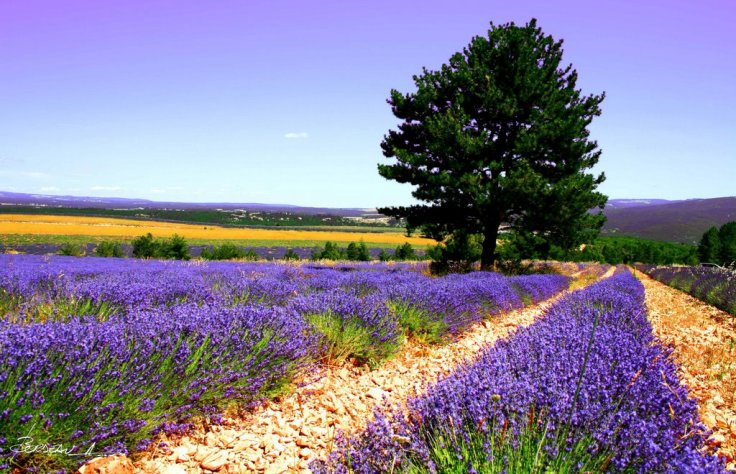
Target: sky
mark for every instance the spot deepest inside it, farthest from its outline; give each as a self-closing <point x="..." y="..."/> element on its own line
<point x="285" y="101"/>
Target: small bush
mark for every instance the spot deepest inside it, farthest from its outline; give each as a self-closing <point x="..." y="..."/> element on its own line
<point x="418" y="324"/>
<point x="176" y="247"/>
<point x="109" y="249"/>
<point x="358" y="252"/>
<point x="330" y="252"/>
<point x="71" y="250"/>
<point x="457" y="255"/>
<point x="228" y="251"/>
<point x="405" y="252"/>
<point x="145" y="247"/>
<point x="351" y="326"/>
<point x="291" y="255"/>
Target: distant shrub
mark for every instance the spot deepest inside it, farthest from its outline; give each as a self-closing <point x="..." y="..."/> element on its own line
<point x="228" y="251"/>
<point x="176" y="247"/>
<point x="358" y="252"/>
<point x="291" y="255"/>
<point x="145" y="247"/>
<point x="384" y="256"/>
<point x="109" y="249"/>
<point x="71" y="250"/>
<point x="456" y="255"/>
<point x="405" y="252"/>
<point x="330" y="252"/>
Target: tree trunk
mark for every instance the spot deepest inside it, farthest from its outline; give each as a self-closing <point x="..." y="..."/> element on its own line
<point x="488" y="257"/>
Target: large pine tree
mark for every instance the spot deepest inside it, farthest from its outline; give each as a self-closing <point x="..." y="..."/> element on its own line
<point x="498" y="135"/>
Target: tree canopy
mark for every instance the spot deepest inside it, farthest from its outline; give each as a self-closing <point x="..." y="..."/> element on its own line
<point x="719" y="245"/>
<point x="498" y="135"/>
<point x="709" y="249"/>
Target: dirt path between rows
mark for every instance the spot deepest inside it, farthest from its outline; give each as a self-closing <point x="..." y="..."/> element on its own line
<point x="704" y="341"/>
<point x="284" y="435"/>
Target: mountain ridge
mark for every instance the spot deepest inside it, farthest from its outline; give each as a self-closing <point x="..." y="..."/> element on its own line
<point x="682" y="221"/>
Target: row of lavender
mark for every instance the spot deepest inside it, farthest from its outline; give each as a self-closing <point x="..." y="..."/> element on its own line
<point x="586" y="389"/>
<point x="264" y="253"/>
<point x="715" y="286"/>
<point x="101" y="355"/>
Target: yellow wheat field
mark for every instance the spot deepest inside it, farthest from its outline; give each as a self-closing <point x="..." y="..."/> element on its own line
<point x="113" y="227"/>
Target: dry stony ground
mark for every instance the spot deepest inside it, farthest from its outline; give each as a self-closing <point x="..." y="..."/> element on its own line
<point x="704" y="342"/>
<point x="284" y="435"/>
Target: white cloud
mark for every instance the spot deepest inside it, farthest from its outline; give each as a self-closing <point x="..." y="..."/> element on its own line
<point x="296" y="135"/>
<point x="106" y="188"/>
<point x="158" y="190"/>
<point x="48" y="189"/>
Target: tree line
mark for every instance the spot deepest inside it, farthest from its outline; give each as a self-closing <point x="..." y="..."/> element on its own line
<point x="718" y="245"/>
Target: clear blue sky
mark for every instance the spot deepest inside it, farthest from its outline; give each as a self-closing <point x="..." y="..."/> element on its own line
<point x="284" y="101"/>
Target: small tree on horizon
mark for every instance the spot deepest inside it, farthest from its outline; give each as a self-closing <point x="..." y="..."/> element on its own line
<point x="709" y="249"/>
<point x="404" y="252"/>
<point x="727" y="236"/>
<point x="498" y="135"/>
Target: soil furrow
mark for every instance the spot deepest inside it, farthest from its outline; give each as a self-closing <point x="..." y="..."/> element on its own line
<point x="704" y="342"/>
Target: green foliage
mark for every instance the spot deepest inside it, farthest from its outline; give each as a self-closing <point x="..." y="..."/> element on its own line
<point x="109" y="249"/>
<point x="291" y="255"/>
<point x="497" y="449"/>
<point x="709" y="248"/>
<point x="145" y="247"/>
<point x="384" y="256"/>
<point x="727" y="236"/>
<point x="457" y="254"/>
<point x="405" y="252"/>
<point x="719" y="245"/>
<point x="228" y="251"/>
<point x="355" y="251"/>
<point x="612" y="250"/>
<point x="358" y="252"/>
<point x="176" y="247"/>
<point x="330" y="252"/>
<point x="349" y="337"/>
<point x="71" y="250"/>
<point x="364" y="255"/>
<point x="418" y="324"/>
<point x="498" y="135"/>
<point x="615" y="250"/>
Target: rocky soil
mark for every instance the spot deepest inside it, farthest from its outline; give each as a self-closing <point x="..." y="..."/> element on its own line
<point x="704" y="342"/>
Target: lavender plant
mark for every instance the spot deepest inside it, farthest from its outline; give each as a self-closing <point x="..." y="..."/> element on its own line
<point x="351" y="325"/>
<point x="587" y="388"/>
<point x="111" y="386"/>
<point x="715" y="286"/>
<point x="100" y="355"/>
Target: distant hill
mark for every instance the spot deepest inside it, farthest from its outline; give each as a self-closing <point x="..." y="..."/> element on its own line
<point x="672" y="221"/>
<point x="626" y="203"/>
<point x="23" y="199"/>
<point x="655" y="219"/>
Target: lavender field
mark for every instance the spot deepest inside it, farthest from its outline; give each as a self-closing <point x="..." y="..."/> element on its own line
<point x="102" y="356"/>
<point x="715" y="286"/>
<point x="585" y="389"/>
